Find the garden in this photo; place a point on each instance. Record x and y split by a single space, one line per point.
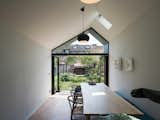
94 71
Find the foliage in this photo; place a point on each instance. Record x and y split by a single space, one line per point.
79 79
94 72
71 60
68 80
88 60
95 68
65 77
67 85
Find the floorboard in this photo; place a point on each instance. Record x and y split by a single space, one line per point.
55 108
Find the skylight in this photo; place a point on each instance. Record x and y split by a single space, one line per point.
92 41
107 24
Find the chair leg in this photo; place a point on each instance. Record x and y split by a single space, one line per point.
72 113
71 117
87 117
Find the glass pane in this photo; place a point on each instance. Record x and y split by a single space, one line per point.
55 74
96 44
77 69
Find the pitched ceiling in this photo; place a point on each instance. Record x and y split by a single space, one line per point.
52 22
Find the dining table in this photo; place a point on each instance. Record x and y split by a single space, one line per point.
99 99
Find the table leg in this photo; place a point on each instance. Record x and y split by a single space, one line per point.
87 117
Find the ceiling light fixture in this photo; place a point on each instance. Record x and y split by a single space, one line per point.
90 1
83 38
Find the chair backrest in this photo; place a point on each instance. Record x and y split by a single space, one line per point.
74 105
76 91
73 101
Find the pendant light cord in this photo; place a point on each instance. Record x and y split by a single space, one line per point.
83 37
83 15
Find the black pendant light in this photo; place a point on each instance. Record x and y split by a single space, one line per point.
83 37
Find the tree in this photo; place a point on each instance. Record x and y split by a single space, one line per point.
88 60
71 60
100 67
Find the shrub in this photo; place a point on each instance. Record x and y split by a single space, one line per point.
65 77
77 79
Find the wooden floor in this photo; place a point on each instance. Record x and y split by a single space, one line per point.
55 108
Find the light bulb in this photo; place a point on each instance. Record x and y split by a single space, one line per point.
90 1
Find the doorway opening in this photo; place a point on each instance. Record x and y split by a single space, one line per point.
74 63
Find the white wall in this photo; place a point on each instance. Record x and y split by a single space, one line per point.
24 78
140 40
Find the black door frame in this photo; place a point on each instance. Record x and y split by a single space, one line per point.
106 68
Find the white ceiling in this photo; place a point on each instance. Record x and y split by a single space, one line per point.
52 22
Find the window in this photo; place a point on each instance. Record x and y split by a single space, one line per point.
96 44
